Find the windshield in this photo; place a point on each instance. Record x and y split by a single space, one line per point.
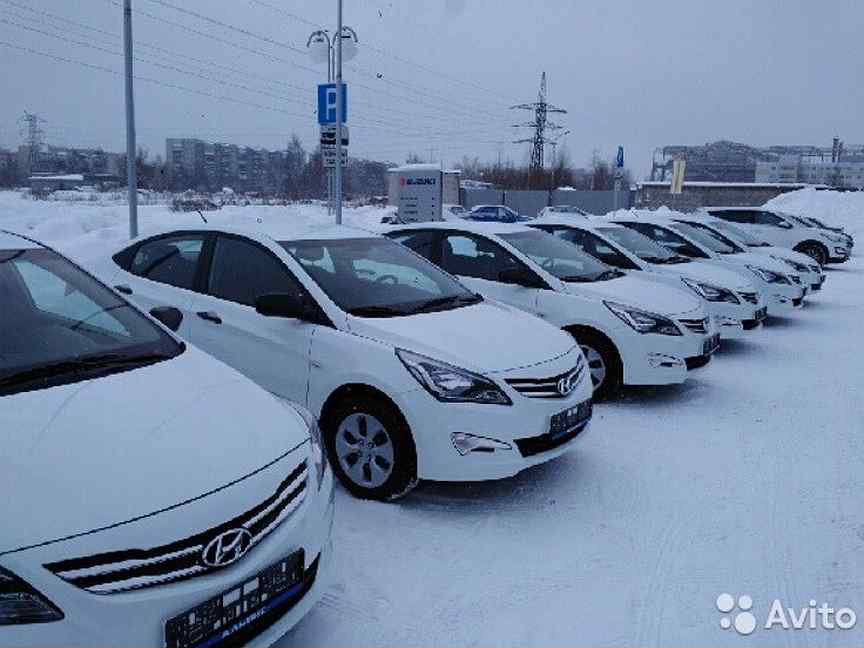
739 234
60 326
713 233
560 258
705 238
377 277
640 245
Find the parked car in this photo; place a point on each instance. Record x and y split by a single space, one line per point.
815 222
740 242
150 492
779 229
496 214
781 287
562 210
632 331
454 212
392 355
193 204
734 303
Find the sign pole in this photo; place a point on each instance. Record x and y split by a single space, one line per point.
131 163
339 115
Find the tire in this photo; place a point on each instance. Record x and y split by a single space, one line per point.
370 448
815 251
604 363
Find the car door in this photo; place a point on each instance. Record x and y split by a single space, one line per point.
274 352
164 271
479 263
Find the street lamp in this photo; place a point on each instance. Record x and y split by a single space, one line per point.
323 49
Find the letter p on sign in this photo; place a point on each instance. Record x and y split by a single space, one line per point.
327 103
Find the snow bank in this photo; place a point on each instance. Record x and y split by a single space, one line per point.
836 208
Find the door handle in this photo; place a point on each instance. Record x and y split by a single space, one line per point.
210 316
123 288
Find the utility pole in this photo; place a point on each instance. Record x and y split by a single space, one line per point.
131 166
33 137
541 124
339 116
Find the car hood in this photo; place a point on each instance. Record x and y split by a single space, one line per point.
486 337
786 253
88 455
758 260
633 290
708 273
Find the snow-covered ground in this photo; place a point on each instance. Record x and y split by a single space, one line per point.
746 480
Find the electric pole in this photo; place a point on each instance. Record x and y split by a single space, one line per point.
32 134
339 116
131 162
541 124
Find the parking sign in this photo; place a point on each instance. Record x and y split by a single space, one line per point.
327 103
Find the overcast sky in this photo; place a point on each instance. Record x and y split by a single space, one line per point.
436 77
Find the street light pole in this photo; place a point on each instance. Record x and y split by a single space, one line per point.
131 166
339 116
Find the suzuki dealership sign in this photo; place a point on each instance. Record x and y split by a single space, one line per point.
420 192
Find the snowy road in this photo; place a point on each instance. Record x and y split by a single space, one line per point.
747 479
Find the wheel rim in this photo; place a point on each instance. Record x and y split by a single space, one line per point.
596 365
364 450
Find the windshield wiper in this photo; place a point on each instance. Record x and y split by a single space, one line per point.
377 311
83 364
450 300
609 274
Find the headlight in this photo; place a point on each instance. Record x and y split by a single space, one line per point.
710 292
20 603
643 321
769 276
452 384
317 454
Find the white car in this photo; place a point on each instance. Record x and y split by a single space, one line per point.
819 224
781 230
781 286
734 303
152 495
632 331
392 355
562 211
453 212
732 238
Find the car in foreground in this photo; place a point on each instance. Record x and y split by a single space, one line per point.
733 302
782 288
152 495
731 238
632 331
391 354
562 211
495 214
784 231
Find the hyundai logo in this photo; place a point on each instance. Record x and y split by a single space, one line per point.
568 383
227 548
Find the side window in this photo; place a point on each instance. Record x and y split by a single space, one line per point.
474 256
767 218
422 242
667 239
242 272
745 217
170 260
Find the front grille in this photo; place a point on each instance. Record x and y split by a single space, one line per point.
548 387
696 325
795 279
750 297
118 571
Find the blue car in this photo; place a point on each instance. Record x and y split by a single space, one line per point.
496 213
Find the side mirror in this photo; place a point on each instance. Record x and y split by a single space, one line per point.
520 277
285 305
784 225
169 316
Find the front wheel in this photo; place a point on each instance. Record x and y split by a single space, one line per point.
604 364
371 448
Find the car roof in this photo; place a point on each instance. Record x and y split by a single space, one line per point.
12 241
474 227
483 206
277 231
654 219
577 223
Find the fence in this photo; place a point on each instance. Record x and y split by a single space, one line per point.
529 203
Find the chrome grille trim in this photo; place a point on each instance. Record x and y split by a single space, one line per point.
696 325
120 571
547 387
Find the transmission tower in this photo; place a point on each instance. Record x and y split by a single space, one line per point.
541 125
32 133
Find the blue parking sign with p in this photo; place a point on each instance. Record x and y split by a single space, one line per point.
327 103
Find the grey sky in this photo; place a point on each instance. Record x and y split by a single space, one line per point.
630 72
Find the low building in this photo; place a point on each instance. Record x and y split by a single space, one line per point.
651 195
43 184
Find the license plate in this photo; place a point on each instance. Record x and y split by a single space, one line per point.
711 344
564 422
761 314
218 619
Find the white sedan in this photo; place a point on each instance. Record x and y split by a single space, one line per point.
150 492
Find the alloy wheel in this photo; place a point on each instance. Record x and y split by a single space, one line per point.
596 365
364 450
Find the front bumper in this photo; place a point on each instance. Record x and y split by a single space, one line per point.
433 423
730 318
839 254
784 298
138 617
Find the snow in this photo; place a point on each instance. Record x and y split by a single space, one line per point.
745 480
